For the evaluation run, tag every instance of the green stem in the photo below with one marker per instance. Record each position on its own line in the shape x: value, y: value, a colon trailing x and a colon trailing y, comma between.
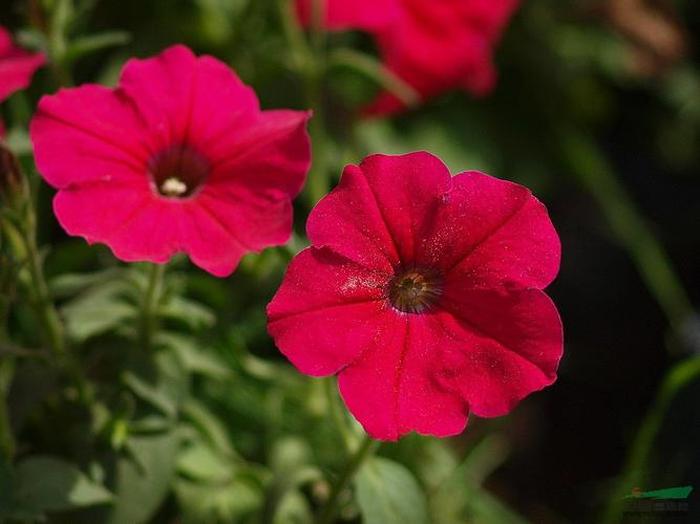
x: 330, y: 509
x: 337, y: 414
x: 318, y: 184
x: 318, y: 25
x: 52, y: 328
x: 310, y: 63
x: 149, y: 306
x: 676, y: 379
x: 595, y: 174
x: 7, y: 441
x: 374, y: 70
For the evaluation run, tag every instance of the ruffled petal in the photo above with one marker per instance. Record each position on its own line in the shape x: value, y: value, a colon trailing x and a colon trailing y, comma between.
x: 327, y: 312
x: 87, y: 134
x: 497, y: 346
x: 124, y: 215
x: 392, y: 389
x: 210, y: 240
x: 174, y: 95
x: 377, y: 210
x: 492, y: 231
x: 270, y: 157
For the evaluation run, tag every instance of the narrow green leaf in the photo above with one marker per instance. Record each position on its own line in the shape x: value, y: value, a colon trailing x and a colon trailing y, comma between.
x: 87, y: 45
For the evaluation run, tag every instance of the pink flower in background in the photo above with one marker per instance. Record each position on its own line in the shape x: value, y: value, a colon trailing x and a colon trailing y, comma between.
x: 434, y: 46
x: 17, y: 66
x: 339, y: 15
x: 422, y: 292
x: 178, y: 158
x: 439, y: 46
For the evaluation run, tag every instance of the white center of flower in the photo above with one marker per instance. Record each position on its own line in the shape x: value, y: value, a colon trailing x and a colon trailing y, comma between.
x: 173, y: 187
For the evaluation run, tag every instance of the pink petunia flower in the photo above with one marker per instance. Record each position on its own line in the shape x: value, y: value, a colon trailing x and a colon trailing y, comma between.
x: 439, y: 46
x: 17, y: 66
x: 178, y: 158
x: 433, y: 46
x: 423, y: 293
x: 340, y: 15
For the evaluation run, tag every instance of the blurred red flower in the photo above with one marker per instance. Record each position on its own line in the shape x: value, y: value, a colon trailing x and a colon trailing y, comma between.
x: 340, y: 15
x: 178, y: 158
x: 433, y: 46
x: 422, y: 292
x: 17, y: 66
x: 442, y: 45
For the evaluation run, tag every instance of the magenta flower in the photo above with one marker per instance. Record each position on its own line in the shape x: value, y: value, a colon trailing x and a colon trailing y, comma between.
x: 339, y: 15
x: 423, y: 293
x: 17, y: 66
x: 178, y: 158
x: 439, y: 46
x: 433, y: 46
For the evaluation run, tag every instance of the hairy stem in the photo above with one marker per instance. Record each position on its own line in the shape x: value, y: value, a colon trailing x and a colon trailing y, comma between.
x: 149, y: 306
x: 336, y: 411
x: 310, y: 62
x: 330, y: 509
x: 52, y: 328
x: 7, y: 441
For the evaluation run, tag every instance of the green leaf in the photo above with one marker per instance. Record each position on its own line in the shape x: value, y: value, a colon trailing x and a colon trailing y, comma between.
x: 193, y: 358
x: 293, y: 509
x: 167, y: 390
x: 157, y: 397
x: 209, y: 426
x: 388, y: 493
x: 100, y: 309
x: 144, y: 478
x: 484, y: 508
x: 193, y: 314
x: 70, y: 284
x: 218, y: 502
x: 200, y: 462
x: 47, y: 484
x: 90, y: 44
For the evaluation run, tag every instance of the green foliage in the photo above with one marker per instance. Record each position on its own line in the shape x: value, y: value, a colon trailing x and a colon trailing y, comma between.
x: 43, y: 484
x: 387, y: 493
x: 193, y: 416
x: 143, y: 477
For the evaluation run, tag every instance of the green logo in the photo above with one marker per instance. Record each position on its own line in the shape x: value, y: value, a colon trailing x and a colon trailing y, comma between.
x: 680, y: 493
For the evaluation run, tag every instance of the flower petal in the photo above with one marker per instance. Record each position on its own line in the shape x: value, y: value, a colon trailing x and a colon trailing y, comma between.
x: 391, y: 389
x: 86, y: 134
x: 17, y: 66
x: 327, y: 311
x: 270, y: 157
x: 127, y: 217
x: 173, y: 94
x: 492, y: 231
x: 377, y: 210
x: 498, y: 347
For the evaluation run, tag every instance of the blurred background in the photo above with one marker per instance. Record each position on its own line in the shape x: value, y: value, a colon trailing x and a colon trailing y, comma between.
x: 597, y: 109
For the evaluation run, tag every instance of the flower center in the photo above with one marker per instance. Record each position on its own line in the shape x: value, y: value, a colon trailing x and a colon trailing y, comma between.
x: 178, y: 171
x: 415, y: 290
